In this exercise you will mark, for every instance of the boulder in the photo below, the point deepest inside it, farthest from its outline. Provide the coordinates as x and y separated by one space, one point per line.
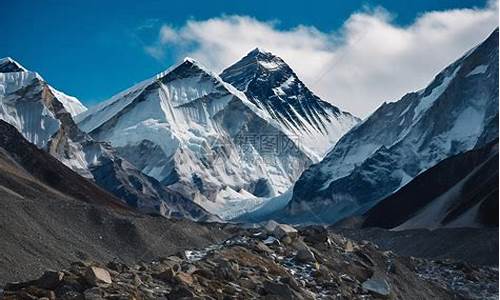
282 231
378 286
97 276
314 234
262 248
304 253
270 226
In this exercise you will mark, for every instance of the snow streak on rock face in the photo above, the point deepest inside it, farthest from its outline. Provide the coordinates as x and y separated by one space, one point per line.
272 86
457 112
200 136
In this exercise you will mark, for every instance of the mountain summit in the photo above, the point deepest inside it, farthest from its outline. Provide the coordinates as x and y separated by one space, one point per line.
200 136
271 85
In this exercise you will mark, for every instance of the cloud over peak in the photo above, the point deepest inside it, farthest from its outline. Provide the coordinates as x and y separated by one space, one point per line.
367 61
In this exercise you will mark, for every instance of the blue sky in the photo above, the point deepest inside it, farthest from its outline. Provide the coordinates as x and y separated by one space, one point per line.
93 49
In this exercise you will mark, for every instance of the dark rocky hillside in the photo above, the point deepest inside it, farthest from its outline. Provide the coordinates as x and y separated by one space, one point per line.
466 184
50 216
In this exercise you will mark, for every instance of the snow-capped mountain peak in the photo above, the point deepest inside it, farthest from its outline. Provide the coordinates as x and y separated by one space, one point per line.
14 77
274 88
266 60
7 65
200 136
456 112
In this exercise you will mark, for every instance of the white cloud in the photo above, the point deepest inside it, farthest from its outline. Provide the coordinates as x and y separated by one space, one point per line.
368 61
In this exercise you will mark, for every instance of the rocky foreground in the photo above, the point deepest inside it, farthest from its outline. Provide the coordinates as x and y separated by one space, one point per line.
275 261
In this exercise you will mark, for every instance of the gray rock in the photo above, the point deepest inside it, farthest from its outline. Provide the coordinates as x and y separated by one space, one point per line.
270 226
97 276
378 286
304 253
282 231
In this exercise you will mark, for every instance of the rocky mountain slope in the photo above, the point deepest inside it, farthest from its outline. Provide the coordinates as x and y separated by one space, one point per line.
50 216
200 136
456 112
274 262
461 191
270 84
44 116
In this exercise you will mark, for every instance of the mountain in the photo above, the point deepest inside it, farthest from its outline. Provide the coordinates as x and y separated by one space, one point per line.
51 216
44 117
200 136
21 104
22 162
272 86
460 191
456 112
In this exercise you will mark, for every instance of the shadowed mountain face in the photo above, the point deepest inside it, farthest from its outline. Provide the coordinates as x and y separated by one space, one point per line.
461 191
51 216
457 112
45 117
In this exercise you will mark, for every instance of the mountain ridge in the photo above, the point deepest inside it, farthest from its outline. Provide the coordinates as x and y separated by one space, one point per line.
203 126
401 139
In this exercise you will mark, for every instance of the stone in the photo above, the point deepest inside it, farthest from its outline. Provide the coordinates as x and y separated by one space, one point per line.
96 276
365 257
314 234
378 286
349 247
49 280
271 240
270 226
261 247
184 278
169 273
282 231
304 253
